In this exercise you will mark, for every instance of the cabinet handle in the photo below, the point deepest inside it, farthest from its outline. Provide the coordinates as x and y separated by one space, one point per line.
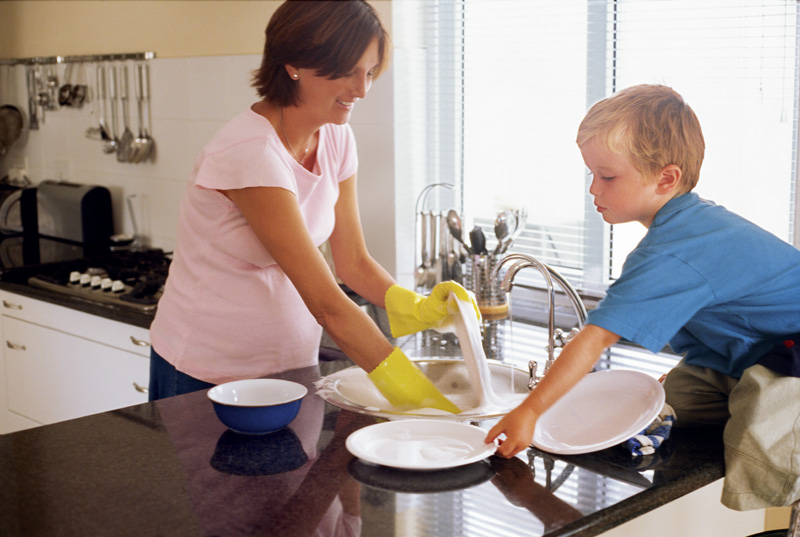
11 306
140 389
140 342
15 346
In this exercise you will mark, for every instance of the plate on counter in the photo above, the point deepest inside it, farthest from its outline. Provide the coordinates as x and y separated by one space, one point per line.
604 409
420 444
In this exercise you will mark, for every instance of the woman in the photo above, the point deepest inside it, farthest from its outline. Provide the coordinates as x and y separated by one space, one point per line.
248 292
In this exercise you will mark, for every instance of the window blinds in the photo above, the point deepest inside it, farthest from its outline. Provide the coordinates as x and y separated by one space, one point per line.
508 81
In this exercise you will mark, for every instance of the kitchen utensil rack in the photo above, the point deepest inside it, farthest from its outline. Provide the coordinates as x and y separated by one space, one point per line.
46 94
427 240
83 58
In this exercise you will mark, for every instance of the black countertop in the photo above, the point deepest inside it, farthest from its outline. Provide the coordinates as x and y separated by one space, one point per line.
170 468
108 311
17 282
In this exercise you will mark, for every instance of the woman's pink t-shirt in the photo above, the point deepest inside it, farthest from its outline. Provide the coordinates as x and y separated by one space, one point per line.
228 310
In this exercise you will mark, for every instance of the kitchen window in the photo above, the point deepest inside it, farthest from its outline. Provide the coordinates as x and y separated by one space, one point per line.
491 92
489 97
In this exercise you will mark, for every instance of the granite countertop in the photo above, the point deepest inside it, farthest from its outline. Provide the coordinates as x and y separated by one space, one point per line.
171 468
108 311
136 317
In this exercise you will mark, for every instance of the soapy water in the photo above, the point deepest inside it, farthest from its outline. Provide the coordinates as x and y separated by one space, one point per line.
468 331
416 450
469 384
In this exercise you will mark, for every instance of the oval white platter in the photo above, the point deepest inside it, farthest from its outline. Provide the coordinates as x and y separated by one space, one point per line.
604 409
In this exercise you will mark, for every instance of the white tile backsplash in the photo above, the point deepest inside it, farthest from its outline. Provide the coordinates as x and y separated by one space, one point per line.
190 99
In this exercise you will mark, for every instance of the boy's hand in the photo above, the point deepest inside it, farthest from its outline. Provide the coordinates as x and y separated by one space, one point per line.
518 426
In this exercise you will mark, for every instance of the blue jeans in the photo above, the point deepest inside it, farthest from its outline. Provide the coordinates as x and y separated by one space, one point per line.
166 381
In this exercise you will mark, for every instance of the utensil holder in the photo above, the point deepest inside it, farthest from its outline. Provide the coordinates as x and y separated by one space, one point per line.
492 302
491 298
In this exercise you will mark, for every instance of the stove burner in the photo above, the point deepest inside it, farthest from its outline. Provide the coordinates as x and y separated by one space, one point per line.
131 279
144 291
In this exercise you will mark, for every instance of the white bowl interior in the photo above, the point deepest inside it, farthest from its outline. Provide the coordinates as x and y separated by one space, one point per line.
257 392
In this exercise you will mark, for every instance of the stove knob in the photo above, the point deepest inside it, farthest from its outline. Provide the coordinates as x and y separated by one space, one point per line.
117 286
106 284
74 277
85 279
95 282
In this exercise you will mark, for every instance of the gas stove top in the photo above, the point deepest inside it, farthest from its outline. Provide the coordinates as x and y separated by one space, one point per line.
128 279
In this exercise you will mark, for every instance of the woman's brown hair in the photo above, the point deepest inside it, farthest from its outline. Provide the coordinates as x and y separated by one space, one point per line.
328 36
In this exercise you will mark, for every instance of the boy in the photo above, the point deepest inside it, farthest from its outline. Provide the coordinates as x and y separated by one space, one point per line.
720 290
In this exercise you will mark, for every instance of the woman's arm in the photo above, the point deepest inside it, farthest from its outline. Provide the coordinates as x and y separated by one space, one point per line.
354 264
575 361
275 217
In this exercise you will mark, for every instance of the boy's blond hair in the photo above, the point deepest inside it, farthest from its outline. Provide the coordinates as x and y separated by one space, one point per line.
653 126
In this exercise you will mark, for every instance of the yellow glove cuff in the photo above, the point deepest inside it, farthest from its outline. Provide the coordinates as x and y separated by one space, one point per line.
404 385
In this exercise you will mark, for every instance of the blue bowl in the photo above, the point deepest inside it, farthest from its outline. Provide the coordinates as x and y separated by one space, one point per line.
257 406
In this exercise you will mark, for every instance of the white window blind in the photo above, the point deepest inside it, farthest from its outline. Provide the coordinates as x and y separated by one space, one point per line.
736 65
506 83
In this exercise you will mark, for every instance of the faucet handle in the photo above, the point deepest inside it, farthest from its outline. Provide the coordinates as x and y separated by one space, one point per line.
533 380
560 339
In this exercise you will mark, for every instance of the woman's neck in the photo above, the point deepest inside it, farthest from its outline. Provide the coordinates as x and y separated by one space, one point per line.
300 141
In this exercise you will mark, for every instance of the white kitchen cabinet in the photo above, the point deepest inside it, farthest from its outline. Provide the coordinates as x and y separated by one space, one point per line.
60 363
699 513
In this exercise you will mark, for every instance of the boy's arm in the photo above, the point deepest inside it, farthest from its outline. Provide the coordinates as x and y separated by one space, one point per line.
575 361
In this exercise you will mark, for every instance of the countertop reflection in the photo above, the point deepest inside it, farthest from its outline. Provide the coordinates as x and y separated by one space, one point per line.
171 468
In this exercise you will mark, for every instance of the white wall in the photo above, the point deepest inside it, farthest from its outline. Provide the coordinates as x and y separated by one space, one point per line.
191 99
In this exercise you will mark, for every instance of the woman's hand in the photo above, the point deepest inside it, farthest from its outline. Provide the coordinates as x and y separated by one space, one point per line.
518 426
411 312
404 385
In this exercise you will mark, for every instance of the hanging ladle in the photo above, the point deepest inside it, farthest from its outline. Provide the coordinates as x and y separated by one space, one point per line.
143 144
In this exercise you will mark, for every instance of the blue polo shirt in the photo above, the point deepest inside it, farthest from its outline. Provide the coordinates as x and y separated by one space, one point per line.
716 287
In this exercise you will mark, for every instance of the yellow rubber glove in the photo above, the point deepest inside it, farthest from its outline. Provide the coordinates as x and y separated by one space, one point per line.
410 312
404 385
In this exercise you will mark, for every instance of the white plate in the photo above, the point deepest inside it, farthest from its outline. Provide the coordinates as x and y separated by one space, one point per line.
604 409
420 444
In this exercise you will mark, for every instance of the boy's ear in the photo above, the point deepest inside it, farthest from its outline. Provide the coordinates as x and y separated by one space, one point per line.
669 178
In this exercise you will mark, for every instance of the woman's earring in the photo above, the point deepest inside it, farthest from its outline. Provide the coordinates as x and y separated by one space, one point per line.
295 76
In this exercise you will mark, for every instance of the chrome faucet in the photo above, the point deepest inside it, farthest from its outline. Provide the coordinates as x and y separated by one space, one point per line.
555 336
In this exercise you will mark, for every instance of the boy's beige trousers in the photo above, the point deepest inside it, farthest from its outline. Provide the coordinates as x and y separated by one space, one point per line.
761 413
